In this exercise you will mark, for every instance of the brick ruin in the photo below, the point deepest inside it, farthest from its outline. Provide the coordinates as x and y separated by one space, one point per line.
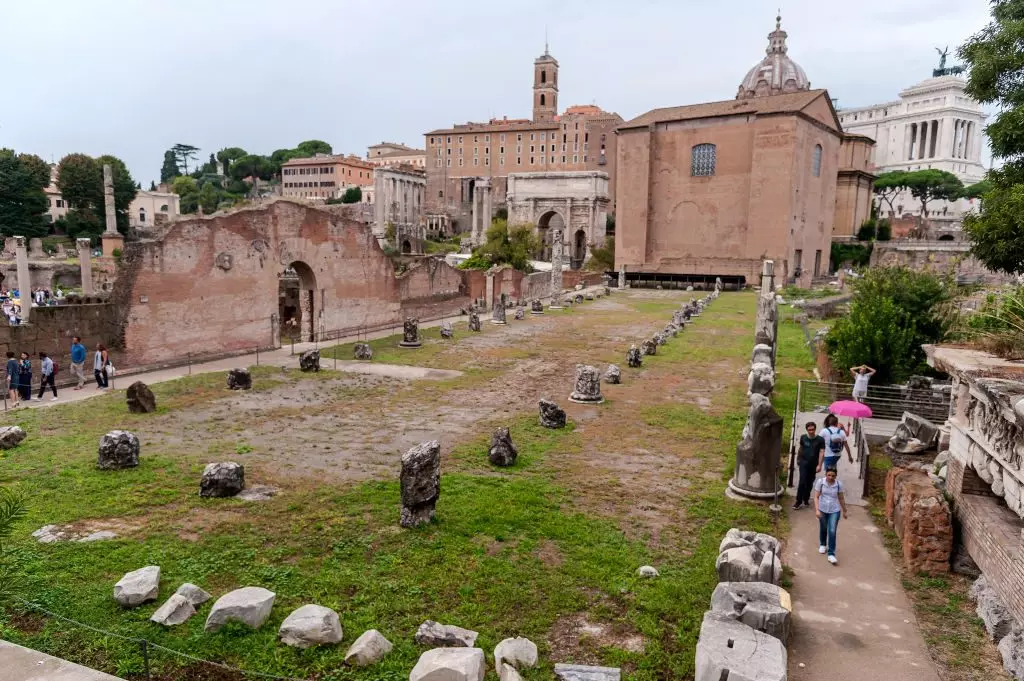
214 284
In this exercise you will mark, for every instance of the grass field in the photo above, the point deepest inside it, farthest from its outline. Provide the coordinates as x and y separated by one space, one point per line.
547 549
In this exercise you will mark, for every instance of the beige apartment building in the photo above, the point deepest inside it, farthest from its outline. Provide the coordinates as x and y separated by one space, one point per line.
581 138
392 154
324 176
148 209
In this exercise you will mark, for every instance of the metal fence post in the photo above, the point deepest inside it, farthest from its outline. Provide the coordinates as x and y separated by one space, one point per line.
257 355
188 358
145 657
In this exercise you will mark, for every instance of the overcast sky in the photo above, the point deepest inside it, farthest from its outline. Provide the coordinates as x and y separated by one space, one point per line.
133 77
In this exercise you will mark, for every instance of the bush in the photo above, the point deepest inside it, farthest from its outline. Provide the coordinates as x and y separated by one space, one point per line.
352 195
893 312
859 255
884 230
602 259
998 326
866 231
506 245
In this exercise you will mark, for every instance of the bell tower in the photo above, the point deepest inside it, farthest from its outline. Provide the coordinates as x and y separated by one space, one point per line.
545 87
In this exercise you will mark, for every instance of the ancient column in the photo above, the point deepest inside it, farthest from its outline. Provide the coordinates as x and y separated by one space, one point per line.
24 283
112 239
484 186
85 264
475 221
556 268
622 277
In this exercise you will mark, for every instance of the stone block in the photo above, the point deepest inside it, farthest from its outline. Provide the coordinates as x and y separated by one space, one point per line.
519 652
311 625
729 649
765 607
310 360
369 648
432 633
118 449
991 610
582 672
1011 648
921 428
11 437
249 605
138 586
450 664
140 398
420 483
239 379
225 479
922 520
551 415
175 610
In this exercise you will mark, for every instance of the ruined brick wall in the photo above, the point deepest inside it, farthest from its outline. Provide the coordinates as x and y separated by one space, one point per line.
939 257
921 519
431 289
572 277
535 285
476 283
52 328
211 284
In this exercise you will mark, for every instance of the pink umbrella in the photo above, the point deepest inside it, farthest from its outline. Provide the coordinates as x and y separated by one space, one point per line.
850 408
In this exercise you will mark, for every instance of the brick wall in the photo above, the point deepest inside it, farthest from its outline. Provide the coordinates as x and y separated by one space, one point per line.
51 330
992 534
572 277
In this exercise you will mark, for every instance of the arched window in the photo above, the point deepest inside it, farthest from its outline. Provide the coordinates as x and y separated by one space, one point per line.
163 208
702 160
543 76
542 100
142 215
816 161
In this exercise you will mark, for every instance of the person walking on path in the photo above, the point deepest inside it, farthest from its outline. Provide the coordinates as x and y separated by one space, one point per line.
835 443
861 376
809 459
829 502
48 372
12 378
99 366
78 354
25 378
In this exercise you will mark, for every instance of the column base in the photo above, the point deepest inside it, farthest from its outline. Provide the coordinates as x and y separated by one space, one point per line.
112 242
734 490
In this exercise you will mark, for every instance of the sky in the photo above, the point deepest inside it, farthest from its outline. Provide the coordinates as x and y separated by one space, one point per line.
133 77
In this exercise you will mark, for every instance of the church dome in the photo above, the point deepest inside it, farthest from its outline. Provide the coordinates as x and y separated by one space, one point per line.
776 74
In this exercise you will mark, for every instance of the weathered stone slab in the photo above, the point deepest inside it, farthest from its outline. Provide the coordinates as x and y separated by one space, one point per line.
432 633
138 586
311 625
224 479
728 649
239 379
502 451
11 437
450 664
369 648
175 610
991 610
140 398
582 672
765 607
551 415
420 483
194 594
519 652
249 605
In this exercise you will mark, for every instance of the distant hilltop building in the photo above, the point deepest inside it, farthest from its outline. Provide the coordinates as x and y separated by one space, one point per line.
460 157
392 154
710 190
934 124
324 176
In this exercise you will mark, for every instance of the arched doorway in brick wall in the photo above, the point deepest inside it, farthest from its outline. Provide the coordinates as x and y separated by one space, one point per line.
547 223
579 249
297 302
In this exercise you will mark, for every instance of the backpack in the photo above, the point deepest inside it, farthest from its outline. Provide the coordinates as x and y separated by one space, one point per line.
836 444
56 368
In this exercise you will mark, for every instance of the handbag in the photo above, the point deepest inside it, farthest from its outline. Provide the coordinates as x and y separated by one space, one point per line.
110 369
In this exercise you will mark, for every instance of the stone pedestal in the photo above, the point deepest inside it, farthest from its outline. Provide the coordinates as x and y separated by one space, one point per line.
622 278
410 333
587 389
759 452
85 265
111 243
498 311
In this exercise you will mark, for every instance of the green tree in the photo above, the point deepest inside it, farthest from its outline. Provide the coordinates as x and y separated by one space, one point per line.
209 197
228 155
239 187
978 189
152 186
602 258
929 185
505 245
23 202
170 169
867 230
252 165
80 181
893 312
884 230
37 168
186 187
183 153
888 186
125 190
352 195
280 157
312 148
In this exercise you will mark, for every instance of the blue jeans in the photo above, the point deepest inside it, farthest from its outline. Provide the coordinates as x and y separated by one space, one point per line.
831 462
828 524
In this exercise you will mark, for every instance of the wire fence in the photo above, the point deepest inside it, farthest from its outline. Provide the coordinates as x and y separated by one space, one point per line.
148 662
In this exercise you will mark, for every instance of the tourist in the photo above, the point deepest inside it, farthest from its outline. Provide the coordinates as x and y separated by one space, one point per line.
78 354
829 501
835 443
99 366
809 459
861 376
25 378
48 372
12 378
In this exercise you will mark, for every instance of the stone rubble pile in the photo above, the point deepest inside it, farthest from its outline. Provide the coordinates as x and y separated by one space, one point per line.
922 519
310 360
239 379
745 633
1002 628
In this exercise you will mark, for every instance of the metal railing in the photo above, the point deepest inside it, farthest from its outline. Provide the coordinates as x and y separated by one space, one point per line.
886 401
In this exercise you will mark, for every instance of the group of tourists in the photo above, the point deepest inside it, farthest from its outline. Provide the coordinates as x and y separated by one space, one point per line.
10 302
19 372
818 452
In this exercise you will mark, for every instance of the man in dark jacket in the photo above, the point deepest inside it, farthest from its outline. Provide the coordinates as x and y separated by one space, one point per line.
809 455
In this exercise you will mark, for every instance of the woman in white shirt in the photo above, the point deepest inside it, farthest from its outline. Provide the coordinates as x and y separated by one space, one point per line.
861 376
829 501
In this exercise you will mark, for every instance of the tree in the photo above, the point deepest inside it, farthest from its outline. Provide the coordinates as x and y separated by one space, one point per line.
252 165
893 312
37 168
602 258
23 202
80 181
889 185
208 198
505 245
210 167
228 155
280 157
152 186
867 230
183 153
978 189
125 190
186 187
352 195
929 185
995 61
884 230
312 148
170 169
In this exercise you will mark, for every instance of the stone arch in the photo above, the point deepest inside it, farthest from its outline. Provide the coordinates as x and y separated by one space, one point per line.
946 237
297 301
549 221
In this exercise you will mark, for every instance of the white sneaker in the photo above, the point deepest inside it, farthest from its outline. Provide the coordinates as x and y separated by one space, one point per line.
53 399
821 549
832 559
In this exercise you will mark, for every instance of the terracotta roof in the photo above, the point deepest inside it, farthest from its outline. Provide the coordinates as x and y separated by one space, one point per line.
788 103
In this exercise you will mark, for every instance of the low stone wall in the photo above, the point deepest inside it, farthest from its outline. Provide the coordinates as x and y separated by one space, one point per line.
52 328
940 257
572 277
922 520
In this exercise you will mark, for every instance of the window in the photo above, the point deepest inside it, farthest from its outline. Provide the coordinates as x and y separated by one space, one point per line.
543 76
476 161
542 148
460 162
431 140
519 137
575 159
702 160
460 139
501 150
532 137
449 163
487 139
519 161
531 160
502 137
142 215
476 138
816 161
487 151
60 203
449 139
438 164
163 208
563 156
552 159
487 161
531 149
542 100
